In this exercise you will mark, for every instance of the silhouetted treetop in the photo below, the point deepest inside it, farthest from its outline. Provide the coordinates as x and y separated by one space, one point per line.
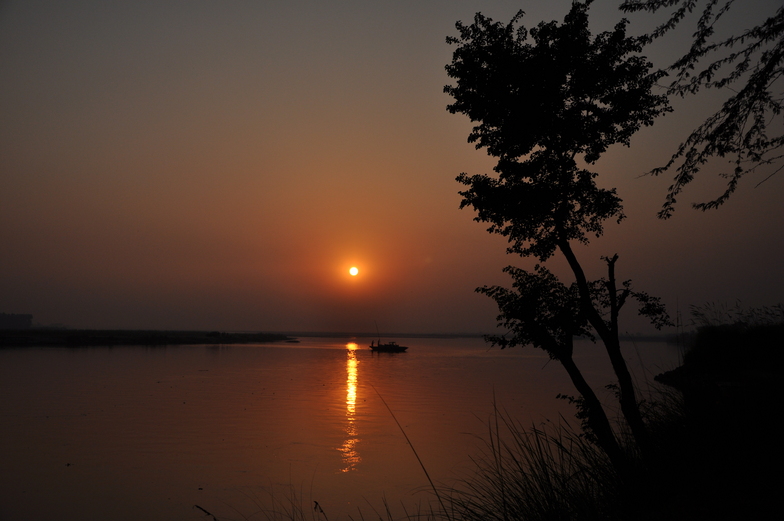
553 87
750 66
541 98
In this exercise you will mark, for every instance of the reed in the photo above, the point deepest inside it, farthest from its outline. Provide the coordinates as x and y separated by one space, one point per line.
273 504
712 314
538 473
555 472
433 487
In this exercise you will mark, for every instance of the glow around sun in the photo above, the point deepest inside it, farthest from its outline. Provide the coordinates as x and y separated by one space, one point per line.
353 271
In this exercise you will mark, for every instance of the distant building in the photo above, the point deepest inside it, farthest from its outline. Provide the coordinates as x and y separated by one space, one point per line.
15 321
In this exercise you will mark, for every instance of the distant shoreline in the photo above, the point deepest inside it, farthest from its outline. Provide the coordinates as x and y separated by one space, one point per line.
63 337
110 337
643 337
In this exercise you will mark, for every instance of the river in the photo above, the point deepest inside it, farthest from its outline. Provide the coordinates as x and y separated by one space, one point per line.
131 433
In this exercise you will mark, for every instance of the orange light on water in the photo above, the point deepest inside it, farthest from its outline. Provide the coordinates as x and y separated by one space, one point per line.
351 381
351 457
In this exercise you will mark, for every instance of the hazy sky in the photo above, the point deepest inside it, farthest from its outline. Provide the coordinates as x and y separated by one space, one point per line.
221 165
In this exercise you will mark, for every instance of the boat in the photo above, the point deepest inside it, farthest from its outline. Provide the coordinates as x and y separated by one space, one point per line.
389 347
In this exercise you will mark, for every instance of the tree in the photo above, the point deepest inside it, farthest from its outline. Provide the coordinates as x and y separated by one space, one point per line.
544 99
753 63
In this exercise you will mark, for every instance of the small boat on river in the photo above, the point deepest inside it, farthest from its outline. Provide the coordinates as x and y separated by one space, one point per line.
389 347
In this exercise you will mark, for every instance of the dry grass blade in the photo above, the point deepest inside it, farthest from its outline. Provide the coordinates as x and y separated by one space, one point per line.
424 469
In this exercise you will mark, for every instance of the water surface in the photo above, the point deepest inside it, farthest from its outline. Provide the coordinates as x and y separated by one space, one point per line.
147 433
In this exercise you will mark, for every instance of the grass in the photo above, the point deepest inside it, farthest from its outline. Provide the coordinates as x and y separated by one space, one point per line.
271 504
547 472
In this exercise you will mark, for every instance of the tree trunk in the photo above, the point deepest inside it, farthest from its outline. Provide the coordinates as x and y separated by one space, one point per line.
597 419
627 396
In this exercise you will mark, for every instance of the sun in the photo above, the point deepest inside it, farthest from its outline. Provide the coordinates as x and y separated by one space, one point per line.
353 271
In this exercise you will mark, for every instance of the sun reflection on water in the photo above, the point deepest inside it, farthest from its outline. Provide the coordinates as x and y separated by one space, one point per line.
350 454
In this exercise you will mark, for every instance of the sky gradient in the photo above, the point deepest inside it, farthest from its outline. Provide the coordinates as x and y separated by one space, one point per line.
221 165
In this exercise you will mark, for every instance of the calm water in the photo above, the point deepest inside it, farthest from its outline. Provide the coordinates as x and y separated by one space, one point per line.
147 433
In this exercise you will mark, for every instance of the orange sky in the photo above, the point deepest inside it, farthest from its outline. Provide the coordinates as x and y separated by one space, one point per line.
221 165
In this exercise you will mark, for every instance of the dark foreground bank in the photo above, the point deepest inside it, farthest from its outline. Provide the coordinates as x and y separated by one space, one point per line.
717 452
726 452
110 337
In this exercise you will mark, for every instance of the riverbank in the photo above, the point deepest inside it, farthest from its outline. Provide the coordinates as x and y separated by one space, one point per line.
715 432
112 337
726 454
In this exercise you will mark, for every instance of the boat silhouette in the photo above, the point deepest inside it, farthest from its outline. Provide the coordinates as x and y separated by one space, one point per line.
388 347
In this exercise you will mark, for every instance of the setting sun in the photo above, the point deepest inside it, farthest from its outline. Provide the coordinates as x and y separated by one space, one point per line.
353 271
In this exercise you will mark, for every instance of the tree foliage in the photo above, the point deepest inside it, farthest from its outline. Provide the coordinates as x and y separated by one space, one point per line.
544 100
747 128
589 92
562 97
541 311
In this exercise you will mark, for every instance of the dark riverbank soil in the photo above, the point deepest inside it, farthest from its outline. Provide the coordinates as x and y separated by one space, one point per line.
110 337
725 455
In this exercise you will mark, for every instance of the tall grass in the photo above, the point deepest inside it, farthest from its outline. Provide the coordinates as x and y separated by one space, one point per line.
731 338
548 472
715 314
555 472
272 504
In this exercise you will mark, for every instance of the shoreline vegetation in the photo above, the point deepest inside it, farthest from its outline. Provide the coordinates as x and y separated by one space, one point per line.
110 337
